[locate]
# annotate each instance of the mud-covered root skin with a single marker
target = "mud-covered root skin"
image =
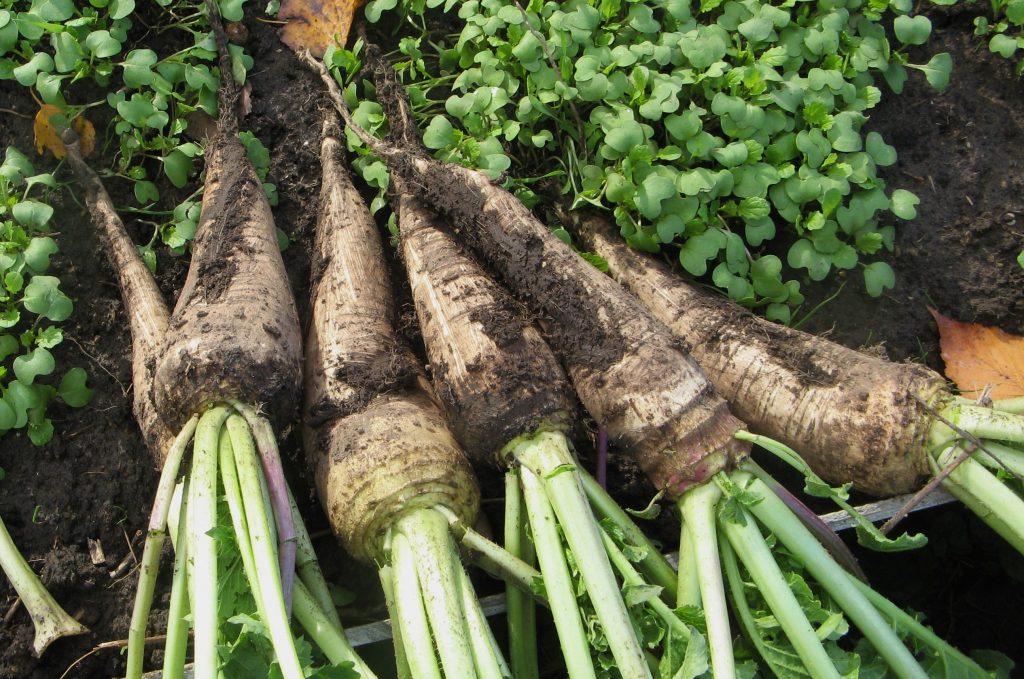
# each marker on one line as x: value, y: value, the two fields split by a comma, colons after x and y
x: 495, y: 374
x: 851, y: 416
x: 147, y: 311
x: 627, y: 369
x: 234, y: 332
x: 395, y: 455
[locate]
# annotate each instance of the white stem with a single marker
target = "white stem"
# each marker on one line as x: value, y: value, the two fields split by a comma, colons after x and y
x: 548, y: 454
x: 415, y: 631
x: 698, y: 508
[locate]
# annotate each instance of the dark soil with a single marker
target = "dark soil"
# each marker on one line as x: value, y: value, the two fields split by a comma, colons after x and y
x: 959, y: 151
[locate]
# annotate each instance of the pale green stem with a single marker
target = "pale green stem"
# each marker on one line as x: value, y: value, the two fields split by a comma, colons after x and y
x: 904, y: 620
x: 631, y: 577
x: 415, y: 631
x: 177, y: 625
x: 547, y: 453
x: 236, y: 511
x: 522, y: 611
x: 427, y: 532
x: 257, y: 514
x: 387, y: 579
x: 777, y: 518
x: 202, y: 545
x: 688, y: 583
x: 494, y: 559
x: 749, y: 544
x: 1006, y: 458
x: 328, y: 637
x: 985, y: 423
x: 739, y: 596
x: 698, y: 510
x: 654, y: 565
x: 50, y: 620
x: 557, y: 583
x: 155, y: 536
x: 490, y: 664
x: 308, y: 566
x: 993, y: 502
x: 1010, y: 405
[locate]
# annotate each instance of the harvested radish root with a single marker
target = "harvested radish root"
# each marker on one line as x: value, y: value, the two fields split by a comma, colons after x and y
x: 884, y: 426
x: 232, y: 341
x: 509, y: 401
x: 389, y: 473
x: 635, y: 380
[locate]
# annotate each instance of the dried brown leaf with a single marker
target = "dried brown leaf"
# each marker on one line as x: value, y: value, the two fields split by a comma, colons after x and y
x: 314, y: 25
x: 50, y: 121
x: 977, y: 356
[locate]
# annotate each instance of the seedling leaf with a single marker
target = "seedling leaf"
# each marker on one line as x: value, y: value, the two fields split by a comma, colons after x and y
x: 73, y: 389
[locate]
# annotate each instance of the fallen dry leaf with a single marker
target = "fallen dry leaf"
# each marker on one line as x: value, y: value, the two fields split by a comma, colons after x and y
x: 314, y: 25
x: 977, y: 355
x: 48, y: 137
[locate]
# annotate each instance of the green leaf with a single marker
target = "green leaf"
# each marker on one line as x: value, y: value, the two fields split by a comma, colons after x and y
x: 880, y: 152
x: 40, y: 429
x: 119, y: 9
x: 654, y: 189
x: 102, y: 45
x: 1003, y: 45
x: 146, y: 192
x: 8, y: 345
x: 231, y: 10
x: 37, y: 362
x: 53, y: 10
x: 37, y: 253
x: 754, y: 208
x: 16, y: 165
x: 696, y: 252
x: 937, y: 70
x: 803, y: 255
x: 32, y: 214
x: 439, y: 133
x: 878, y: 276
x: 49, y: 337
x: 73, y: 389
x: 44, y: 297
x: 903, y: 204
x: 138, y: 68
x: 912, y: 30
x: 26, y: 73
x: 177, y: 167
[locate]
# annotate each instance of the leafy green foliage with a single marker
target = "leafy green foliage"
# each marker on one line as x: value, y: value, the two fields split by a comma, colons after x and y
x: 52, y: 45
x: 1003, y: 27
x: 707, y: 131
x: 31, y: 305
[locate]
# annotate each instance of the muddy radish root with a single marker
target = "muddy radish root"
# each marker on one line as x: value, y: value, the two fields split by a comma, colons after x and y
x: 232, y: 340
x: 884, y: 426
x: 510, y: 402
x: 388, y: 472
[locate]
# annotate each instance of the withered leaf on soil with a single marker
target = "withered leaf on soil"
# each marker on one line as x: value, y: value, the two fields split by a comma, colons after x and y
x: 977, y: 355
x: 314, y: 25
x: 50, y: 121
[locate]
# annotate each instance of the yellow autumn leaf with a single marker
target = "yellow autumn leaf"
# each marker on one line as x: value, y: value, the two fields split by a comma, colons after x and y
x: 48, y: 125
x: 977, y: 356
x: 314, y: 25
